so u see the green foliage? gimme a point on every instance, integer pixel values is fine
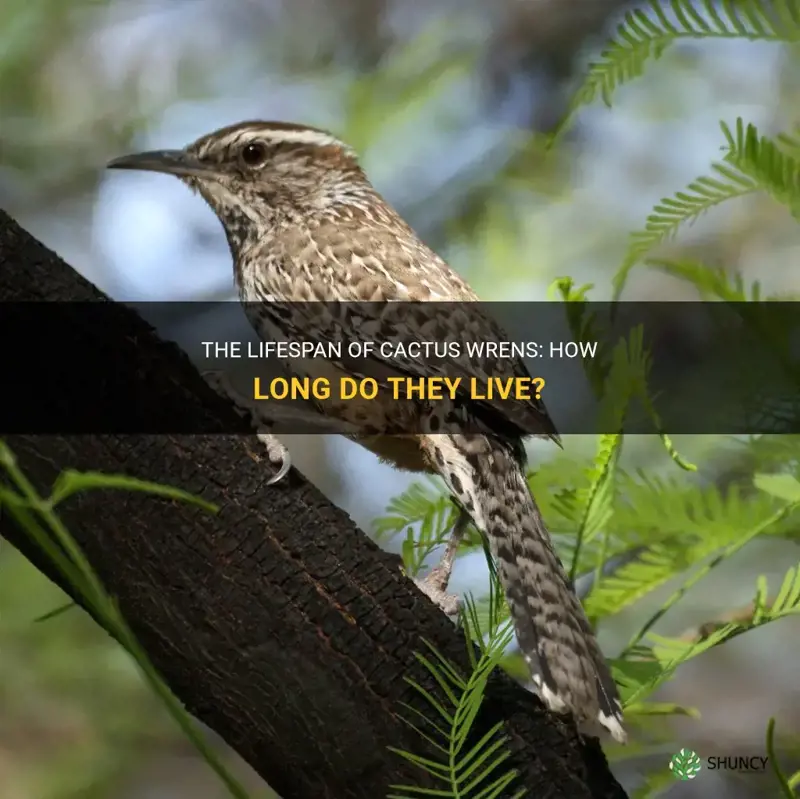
(464, 768)
(677, 527)
(618, 378)
(711, 283)
(683, 525)
(423, 505)
(751, 163)
(596, 502)
(37, 517)
(685, 206)
(656, 530)
(645, 35)
(788, 785)
(637, 534)
(770, 166)
(660, 660)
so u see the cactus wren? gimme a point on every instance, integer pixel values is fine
(306, 227)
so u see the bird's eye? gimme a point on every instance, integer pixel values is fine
(254, 154)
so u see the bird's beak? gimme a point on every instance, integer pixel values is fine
(171, 162)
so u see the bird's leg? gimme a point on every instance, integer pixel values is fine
(434, 584)
(277, 453)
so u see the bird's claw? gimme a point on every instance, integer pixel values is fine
(278, 455)
(434, 586)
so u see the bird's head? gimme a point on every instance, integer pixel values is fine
(261, 171)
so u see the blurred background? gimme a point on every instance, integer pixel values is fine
(448, 102)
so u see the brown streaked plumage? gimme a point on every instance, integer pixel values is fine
(306, 228)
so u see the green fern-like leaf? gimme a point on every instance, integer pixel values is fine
(790, 142)
(598, 500)
(656, 565)
(670, 653)
(645, 34)
(682, 526)
(486, 617)
(682, 208)
(462, 771)
(787, 784)
(711, 282)
(628, 380)
(751, 163)
(425, 514)
(615, 377)
(744, 538)
(584, 326)
(564, 289)
(418, 504)
(764, 162)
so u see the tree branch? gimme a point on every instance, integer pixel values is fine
(277, 622)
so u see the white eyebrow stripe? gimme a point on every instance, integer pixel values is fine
(316, 137)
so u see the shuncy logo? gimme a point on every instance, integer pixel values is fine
(686, 764)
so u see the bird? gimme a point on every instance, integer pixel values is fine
(317, 253)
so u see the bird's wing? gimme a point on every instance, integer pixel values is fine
(397, 324)
(384, 285)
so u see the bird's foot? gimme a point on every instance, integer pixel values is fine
(434, 586)
(278, 456)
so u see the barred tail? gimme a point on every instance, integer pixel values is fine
(487, 477)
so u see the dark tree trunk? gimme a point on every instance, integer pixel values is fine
(277, 622)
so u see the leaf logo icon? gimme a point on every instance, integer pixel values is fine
(685, 765)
